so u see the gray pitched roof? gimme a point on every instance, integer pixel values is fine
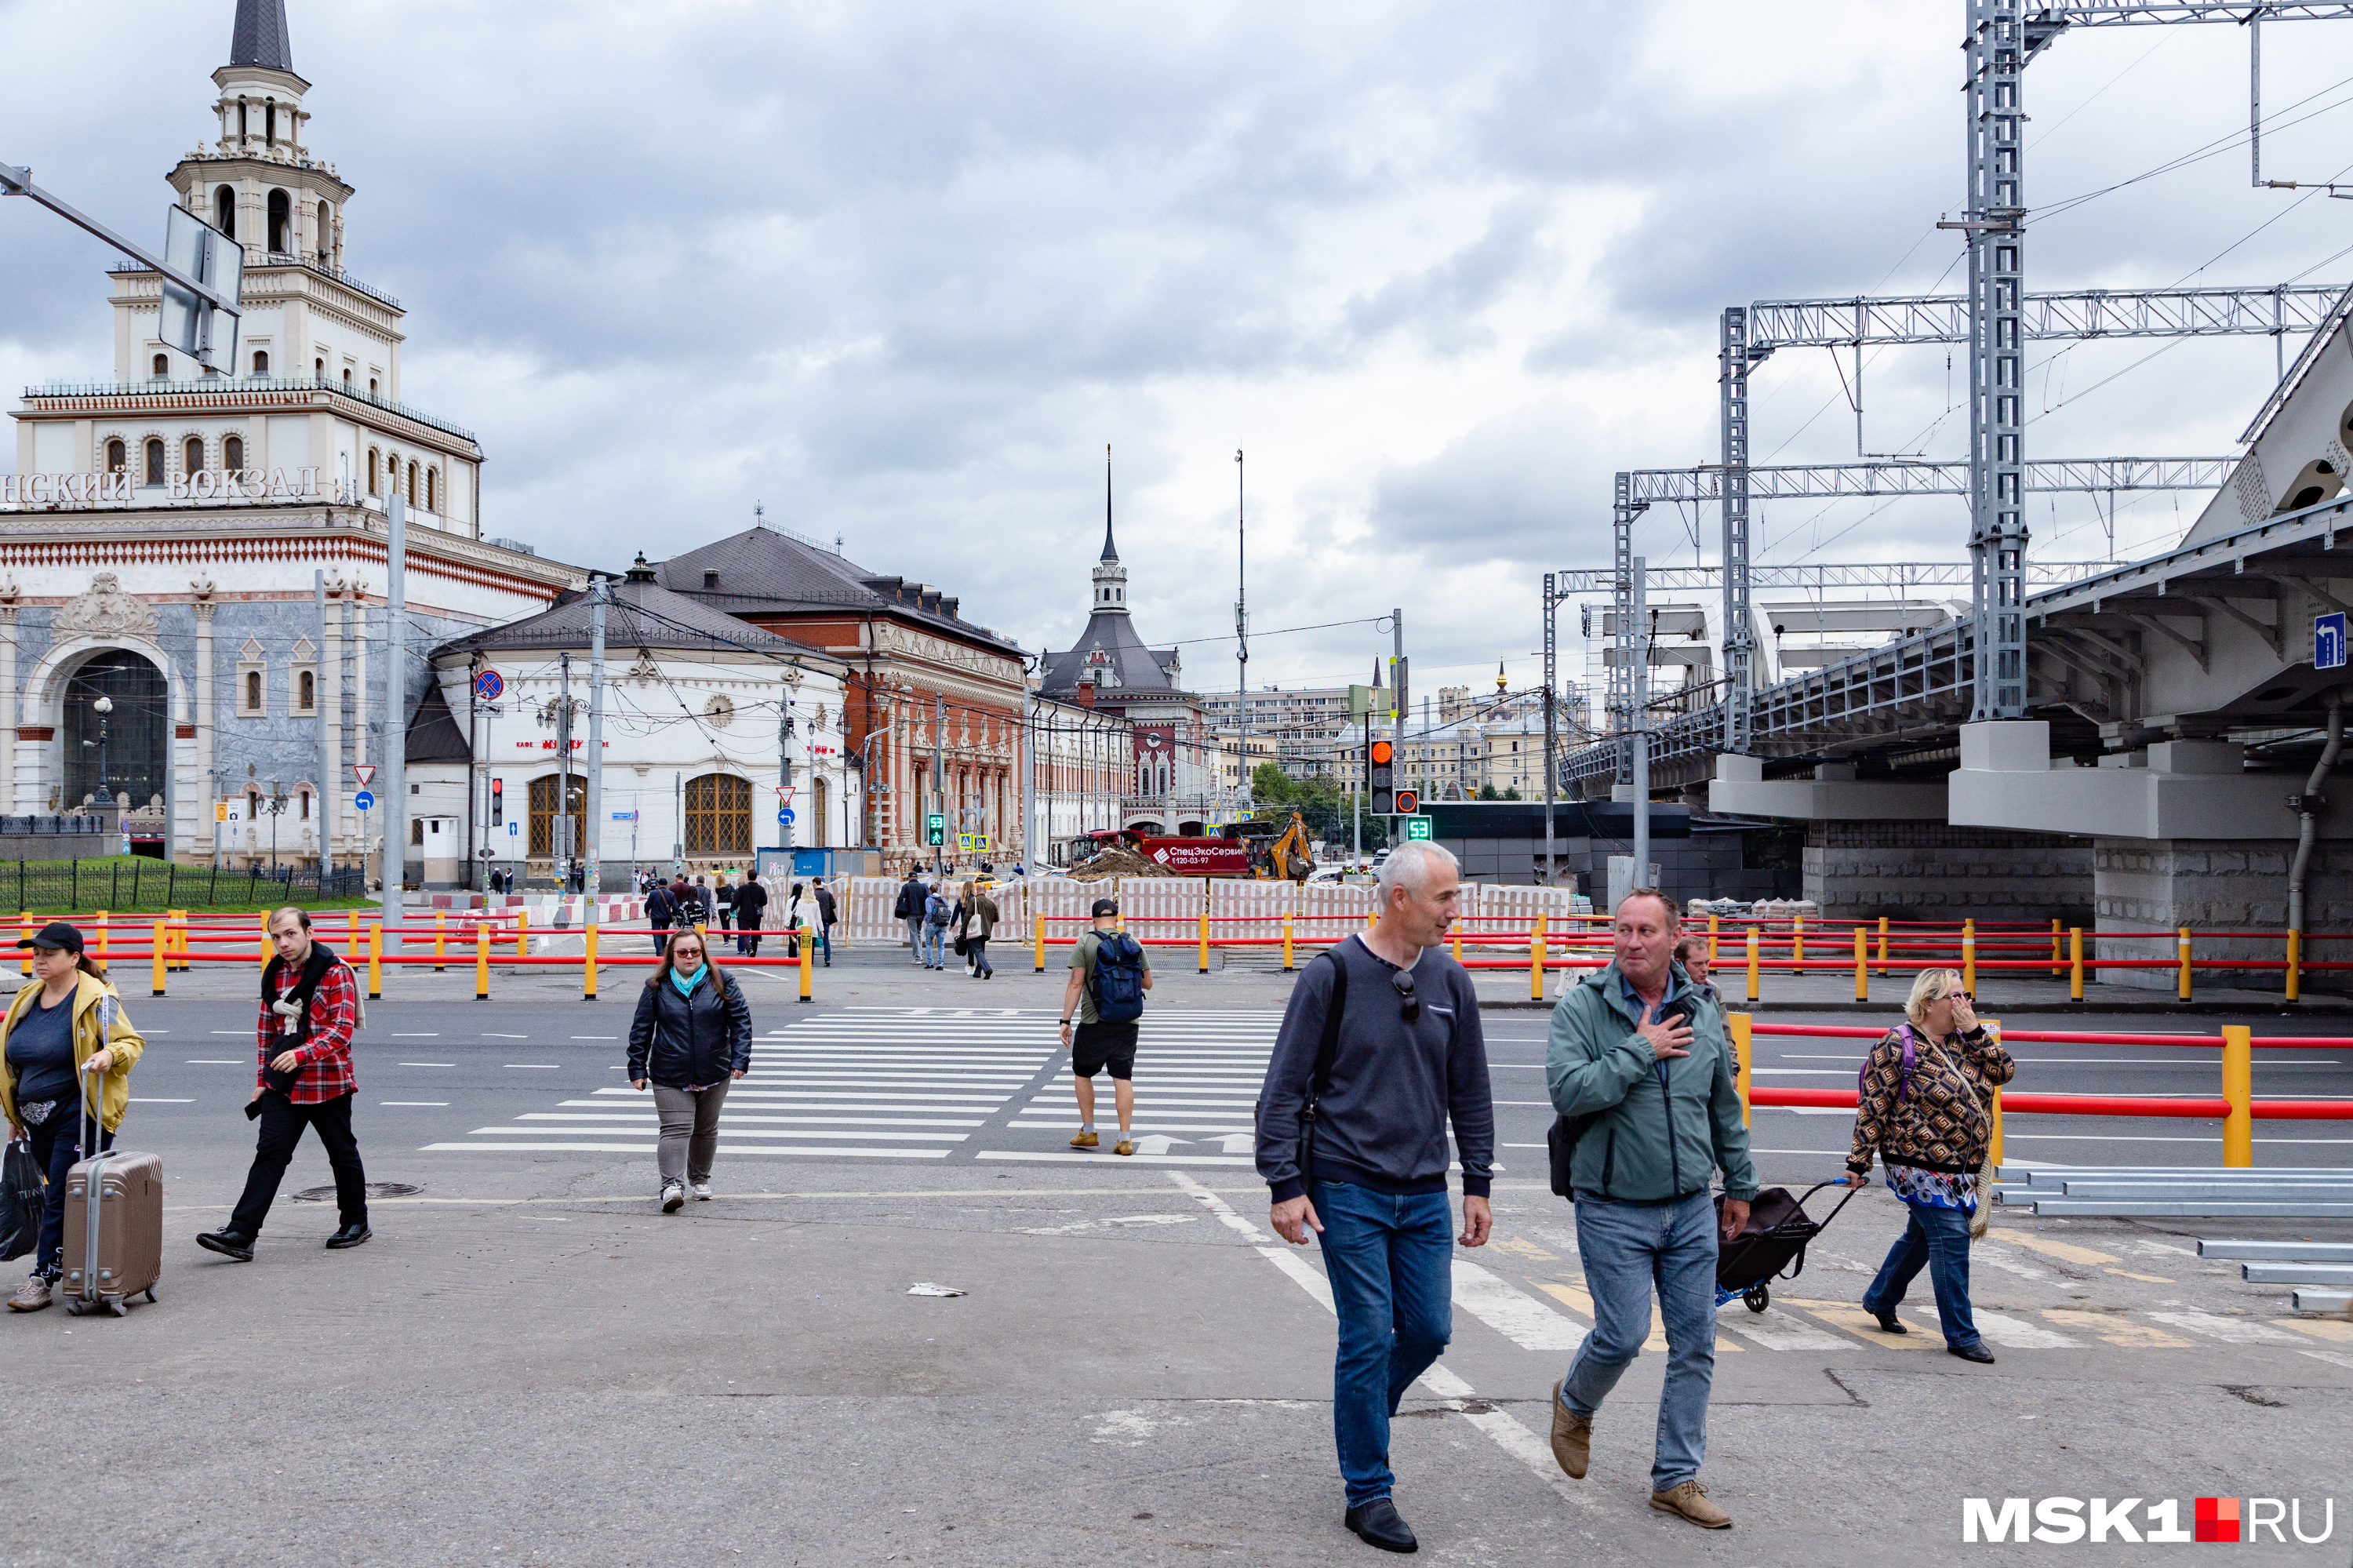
(643, 614)
(762, 569)
(434, 733)
(260, 37)
(1110, 646)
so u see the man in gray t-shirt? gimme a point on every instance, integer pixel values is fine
(1098, 1046)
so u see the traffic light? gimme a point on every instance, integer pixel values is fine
(498, 803)
(1380, 778)
(935, 828)
(1409, 801)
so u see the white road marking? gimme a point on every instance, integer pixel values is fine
(1511, 1312)
(137, 1101)
(2231, 1330)
(2017, 1334)
(428, 1064)
(2335, 1358)
(505, 1037)
(1776, 1330)
(433, 1036)
(607, 1037)
(648, 1147)
(442, 1103)
(216, 1062)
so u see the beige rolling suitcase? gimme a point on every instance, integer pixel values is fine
(115, 1223)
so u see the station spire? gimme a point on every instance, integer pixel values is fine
(260, 37)
(1111, 551)
(1111, 577)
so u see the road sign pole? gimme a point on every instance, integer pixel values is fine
(592, 879)
(395, 714)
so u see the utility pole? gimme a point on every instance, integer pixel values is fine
(1400, 698)
(1641, 736)
(563, 844)
(393, 802)
(1999, 49)
(600, 588)
(1552, 731)
(1241, 640)
(331, 759)
(1029, 775)
(784, 766)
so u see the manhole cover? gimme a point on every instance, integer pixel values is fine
(374, 1190)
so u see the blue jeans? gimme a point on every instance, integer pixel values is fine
(56, 1146)
(1938, 1239)
(979, 948)
(1391, 1261)
(936, 946)
(1629, 1249)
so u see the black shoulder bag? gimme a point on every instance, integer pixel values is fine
(1319, 1081)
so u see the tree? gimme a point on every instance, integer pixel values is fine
(1271, 786)
(1512, 793)
(1487, 793)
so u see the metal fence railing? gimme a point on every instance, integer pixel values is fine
(140, 884)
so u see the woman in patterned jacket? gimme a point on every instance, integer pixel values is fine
(1926, 1108)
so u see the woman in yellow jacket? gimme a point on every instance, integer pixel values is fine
(68, 1024)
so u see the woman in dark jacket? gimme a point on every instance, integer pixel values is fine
(1930, 1122)
(691, 1038)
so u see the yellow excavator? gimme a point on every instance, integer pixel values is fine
(1277, 854)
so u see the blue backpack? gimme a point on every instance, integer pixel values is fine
(1117, 979)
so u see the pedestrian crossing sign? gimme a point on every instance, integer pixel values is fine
(963, 842)
(980, 843)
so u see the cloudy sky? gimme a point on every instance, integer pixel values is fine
(901, 272)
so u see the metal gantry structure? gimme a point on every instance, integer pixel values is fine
(1995, 318)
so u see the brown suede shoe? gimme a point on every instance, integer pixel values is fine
(1085, 1140)
(1123, 1146)
(1689, 1501)
(1572, 1436)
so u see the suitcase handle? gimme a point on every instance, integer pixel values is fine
(94, 1173)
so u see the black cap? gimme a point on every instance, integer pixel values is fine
(53, 935)
(1106, 907)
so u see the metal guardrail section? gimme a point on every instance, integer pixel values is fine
(235, 386)
(1822, 576)
(2088, 313)
(1814, 481)
(1925, 678)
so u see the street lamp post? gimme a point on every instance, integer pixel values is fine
(105, 706)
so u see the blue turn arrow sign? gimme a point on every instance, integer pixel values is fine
(363, 800)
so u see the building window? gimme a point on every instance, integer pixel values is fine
(224, 198)
(281, 218)
(270, 129)
(319, 368)
(162, 366)
(373, 490)
(253, 691)
(371, 386)
(416, 831)
(233, 455)
(261, 362)
(347, 375)
(432, 485)
(154, 460)
(310, 691)
(411, 491)
(302, 801)
(543, 813)
(718, 815)
(117, 458)
(193, 455)
(326, 227)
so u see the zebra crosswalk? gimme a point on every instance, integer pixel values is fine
(939, 1083)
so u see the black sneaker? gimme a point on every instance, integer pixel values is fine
(228, 1243)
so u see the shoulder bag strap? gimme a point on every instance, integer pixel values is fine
(1319, 1077)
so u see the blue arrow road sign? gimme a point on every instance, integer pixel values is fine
(363, 800)
(2328, 641)
(785, 815)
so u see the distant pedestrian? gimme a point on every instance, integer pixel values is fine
(68, 1053)
(976, 918)
(724, 897)
(937, 913)
(796, 922)
(1381, 1050)
(827, 917)
(1692, 953)
(1925, 1107)
(751, 913)
(910, 908)
(661, 911)
(709, 911)
(690, 1039)
(1110, 972)
(1638, 1062)
(310, 1010)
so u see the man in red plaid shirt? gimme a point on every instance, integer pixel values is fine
(310, 1008)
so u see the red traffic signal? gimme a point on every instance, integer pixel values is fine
(1409, 802)
(1381, 753)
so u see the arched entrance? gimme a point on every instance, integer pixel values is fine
(124, 749)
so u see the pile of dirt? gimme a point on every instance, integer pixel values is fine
(1117, 860)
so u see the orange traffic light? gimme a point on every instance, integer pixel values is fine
(1409, 802)
(1381, 751)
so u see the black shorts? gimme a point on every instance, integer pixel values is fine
(1095, 1046)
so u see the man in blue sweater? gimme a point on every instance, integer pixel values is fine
(1380, 1048)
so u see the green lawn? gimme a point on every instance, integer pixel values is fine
(136, 884)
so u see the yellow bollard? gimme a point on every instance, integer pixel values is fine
(440, 931)
(1737, 1025)
(1038, 942)
(1798, 943)
(176, 923)
(1204, 938)
(2054, 946)
(265, 940)
(375, 961)
(1287, 941)
(1861, 967)
(352, 934)
(25, 924)
(1993, 1141)
(1372, 918)
(1752, 963)
(1711, 940)
(1535, 959)
(2239, 1094)
(482, 960)
(2074, 963)
(2182, 942)
(1883, 947)
(588, 966)
(1456, 932)
(104, 927)
(522, 934)
(2294, 964)
(160, 951)
(808, 971)
(1969, 957)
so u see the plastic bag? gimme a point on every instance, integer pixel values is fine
(21, 1198)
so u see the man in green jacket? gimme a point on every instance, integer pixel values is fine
(1637, 1059)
